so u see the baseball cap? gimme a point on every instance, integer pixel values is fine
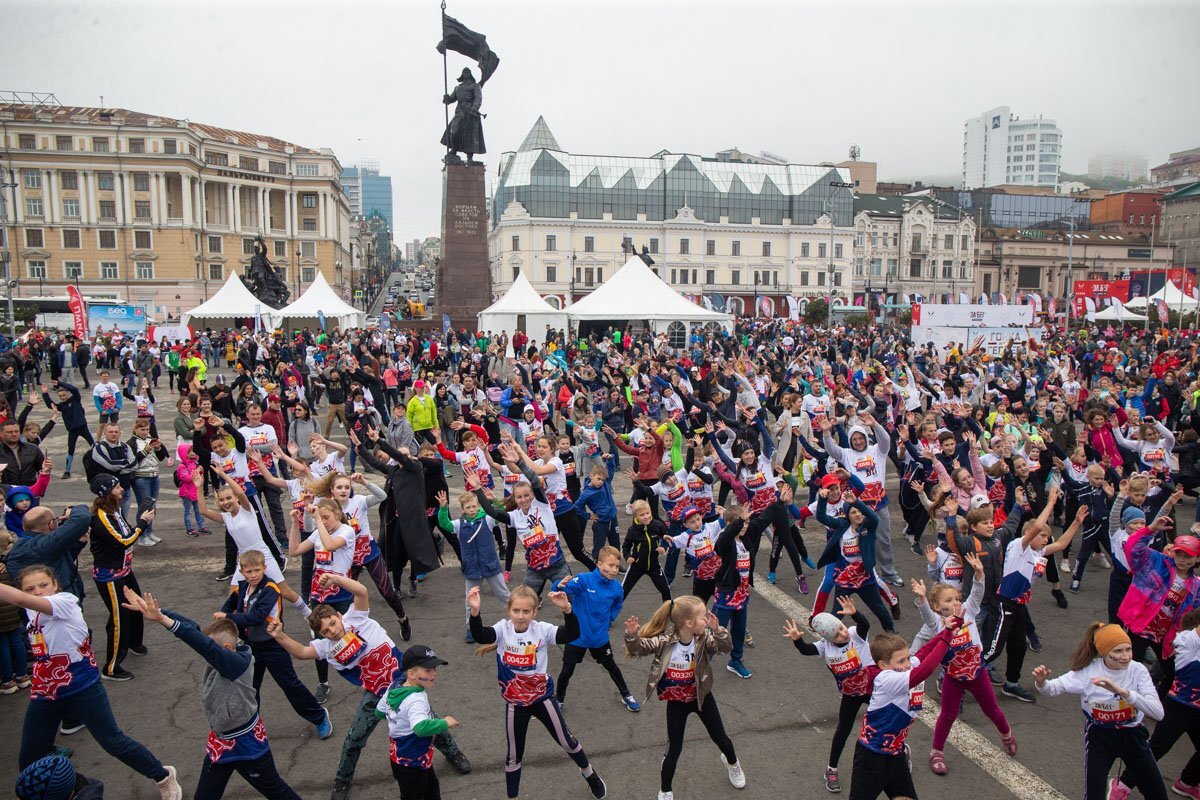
(1188, 544)
(418, 384)
(689, 511)
(421, 656)
(829, 481)
(979, 501)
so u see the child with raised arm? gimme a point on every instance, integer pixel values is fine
(480, 564)
(237, 737)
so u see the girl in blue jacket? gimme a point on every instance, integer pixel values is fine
(596, 597)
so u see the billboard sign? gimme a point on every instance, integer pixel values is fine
(971, 316)
(127, 319)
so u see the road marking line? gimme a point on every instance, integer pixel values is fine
(1007, 771)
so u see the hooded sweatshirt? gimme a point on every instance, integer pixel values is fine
(596, 601)
(15, 520)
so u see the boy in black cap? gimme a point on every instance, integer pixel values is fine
(412, 726)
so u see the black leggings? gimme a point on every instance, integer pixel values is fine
(1178, 720)
(74, 436)
(656, 576)
(677, 715)
(1009, 628)
(516, 727)
(1091, 544)
(793, 541)
(260, 773)
(1166, 666)
(573, 654)
(416, 783)
(916, 518)
(704, 589)
(847, 713)
(872, 596)
(572, 533)
(377, 569)
(774, 516)
(1103, 746)
(508, 545)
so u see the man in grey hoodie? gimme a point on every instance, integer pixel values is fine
(237, 739)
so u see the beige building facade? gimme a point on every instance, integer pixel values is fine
(159, 212)
(912, 245)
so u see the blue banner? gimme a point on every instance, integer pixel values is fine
(127, 319)
(321, 318)
(385, 322)
(445, 323)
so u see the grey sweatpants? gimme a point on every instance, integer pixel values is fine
(495, 582)
(884, 559)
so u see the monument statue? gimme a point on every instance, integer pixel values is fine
(464, 133)
(263, 280)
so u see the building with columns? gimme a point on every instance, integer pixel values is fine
(735, 230)
(158, 212)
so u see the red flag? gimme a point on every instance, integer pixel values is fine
(78, 311)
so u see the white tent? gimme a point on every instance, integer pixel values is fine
(319, 296)
(1171, 295)
(232, 301)
(1117, 313)
(522, 308)
(636, 293)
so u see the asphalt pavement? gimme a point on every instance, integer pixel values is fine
(781, 720)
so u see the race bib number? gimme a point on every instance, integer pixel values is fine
(38, 645)
(1112, 712)
(520, 657)
(347, 649)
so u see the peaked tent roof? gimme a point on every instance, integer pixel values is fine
(1169, 294)
(539, 138)
(1118, 313)
(521, 298)
(319, 296)
(231, 300)
(635, 292)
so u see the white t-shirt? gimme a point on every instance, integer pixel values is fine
(332, 462)
(365, 656)
(521, 660)
(63, 663)
(336, 561)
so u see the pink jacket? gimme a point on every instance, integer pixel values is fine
(962, 495)
(184, 472)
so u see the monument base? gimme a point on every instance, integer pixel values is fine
(464, 277)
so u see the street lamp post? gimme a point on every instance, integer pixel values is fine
(9, 283)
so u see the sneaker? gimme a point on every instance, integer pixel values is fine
(147, 541)
(405, 629)
(68, 728)
(748, 640)
(1035, 643)
(629, 509)
(1074, 587)
(1178, 787)
(594, 782)
(420, 577)
(139, 650)
(937, 762)
(1059, 597)
(23, 681)
(1065, 565)
(154, 538)
(412, 588)
(9, 687)
(341, 790)
(118, 675)
(562, 702)
(831, 780)
(897, 581)
(1010, 743)
(771, 578)
(470, 639)
(224, 576)
(322, 693)
(687, 572)
(736, 776)
(994, 676)
(917, 551)
(802, 584)
(66, 476)
(666, 796)
(205, 532)
(458, 759)
(739, 669)
(507, 575)
(325, 727)
(190, 532)
(1103, 559)
(895, 608)
(630, 703)
(1118, 790)
(1014, 690)
(168, 787)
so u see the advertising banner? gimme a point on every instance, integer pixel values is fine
(78, 311)
(990, 340)
(127, 319)
(172, 333)
(1099, 291)
(967, 316)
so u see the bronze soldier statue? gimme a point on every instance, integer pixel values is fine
(464, 134)
(263, 280)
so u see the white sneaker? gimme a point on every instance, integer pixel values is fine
(168, 787)
(147, 541)
(1103, 559)
(736, 776)
(666, 796)
(154, 538)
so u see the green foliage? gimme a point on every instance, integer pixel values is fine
(816, 312)
(856, 320)
(1110, 184)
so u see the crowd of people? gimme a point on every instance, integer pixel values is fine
(1006, 471)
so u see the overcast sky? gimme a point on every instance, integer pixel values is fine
(802, 79)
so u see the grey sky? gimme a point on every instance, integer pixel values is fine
(802, 79)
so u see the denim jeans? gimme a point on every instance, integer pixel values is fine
(12, 655)
(737, 629)
(604, 531)
(145, 489)
(192, 521)
(90, 707)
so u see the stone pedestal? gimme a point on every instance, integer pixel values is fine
(464, 278)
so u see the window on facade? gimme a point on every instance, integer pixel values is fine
(215, 158)
(248, 162)
(26, 141)
(137, 145)
(685, 246)
(276, 168)
(214, 244)
(141, 209)
(69, 180)
(837, 279)
(34, 237)
(588, 276)
(70, 239)
(107, 239)
(837, 250)
(216, 272)
(710, 276)
(72, 270)
(858, 267)
(891, 267)
(33, 207)
(821, 278)
(104, 181)
(308, 274)
(822, 250)
(109, 271)
(37, 269)
(310, 224)
(962, 271)
(280, 249)
(804, 278)
(710, 247)
(735, 248)
(308, 249)
(143, 271)
(308, 170)
(99, 144)
(947, 270)
(914, 268)
(766, 249)
(654, 246)
(551, 273)
(876, 266)
(804, 249)
(736, 277)
(589, 244)
(63, 143)
(169, 146)
(551, 243)
(965, 241)
(108, 209)
(247, 247)
(949, 243)
(516, 270)
(32, 179)
(308, 200)
(141, 181)
(516, 244)
(142, 240)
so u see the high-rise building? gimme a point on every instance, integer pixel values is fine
(1118, 165)
(412, 250)
(367, 191)
(158, 212)
(1001, 148)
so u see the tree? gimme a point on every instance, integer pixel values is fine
(816, 312)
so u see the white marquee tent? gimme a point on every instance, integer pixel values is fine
(232, 301)
(522, 308)
(319, 296)
(1117, 313)
(636, 293)
(1170, 294)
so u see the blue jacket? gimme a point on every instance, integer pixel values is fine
(479, 557)
(73, 416)
(597, 602)
(599, 501)
(59, 549)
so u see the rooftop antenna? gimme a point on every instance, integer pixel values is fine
(855, 152)
(102, 101)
